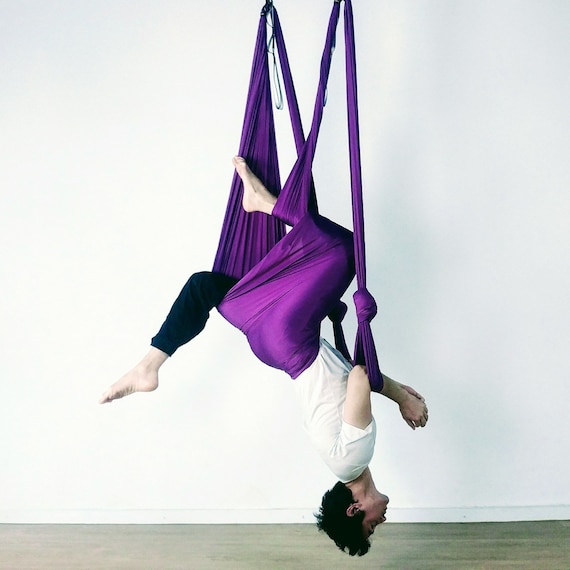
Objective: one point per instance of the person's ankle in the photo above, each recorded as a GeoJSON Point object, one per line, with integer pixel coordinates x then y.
{"type": "Point", "coordinates": [153, 360]}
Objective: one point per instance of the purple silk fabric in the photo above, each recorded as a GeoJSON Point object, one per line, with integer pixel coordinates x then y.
{"type": "Point", "coordinates": [246, 238]}
{"type": "Point", "coordinates": [365, 349]}
{"type": "Point", "coordinates": [282, 296]}
{"type": "Point", "coordinates": [282, 301]}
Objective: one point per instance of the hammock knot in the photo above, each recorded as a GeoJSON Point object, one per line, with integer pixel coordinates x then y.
{"type": "Point", "coordinates": [267, 8]}
{"type": "Point", "coordinates": [366, 308]}
{"type": "Point", "coordinates": [338, 312]}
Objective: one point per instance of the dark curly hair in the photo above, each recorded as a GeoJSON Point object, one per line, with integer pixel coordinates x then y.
{"type": "Point", "coordinates": [344, 530]}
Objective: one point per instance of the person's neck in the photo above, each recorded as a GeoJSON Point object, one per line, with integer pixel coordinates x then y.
{"type": "Point", "coordinates": [363, 486]}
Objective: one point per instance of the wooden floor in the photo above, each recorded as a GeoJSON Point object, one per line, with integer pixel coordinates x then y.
{"type": "Point", "coordinates": [533, 545]}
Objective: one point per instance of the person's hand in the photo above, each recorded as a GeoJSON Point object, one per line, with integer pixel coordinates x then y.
{"type": "Point", "coordinates": [413, 408]}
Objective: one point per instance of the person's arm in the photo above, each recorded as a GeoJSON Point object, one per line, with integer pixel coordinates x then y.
{"type": "Point", "coordinates": [357, 408]}
{"type": "Point", "coordinates": [412, 404]}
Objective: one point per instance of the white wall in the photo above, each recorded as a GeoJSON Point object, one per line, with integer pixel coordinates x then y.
{"type": "Point", "coordinates": [117, 124]}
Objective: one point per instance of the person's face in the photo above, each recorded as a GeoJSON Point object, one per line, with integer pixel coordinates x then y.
{"type": "Point", "coordinates": [375, 514]}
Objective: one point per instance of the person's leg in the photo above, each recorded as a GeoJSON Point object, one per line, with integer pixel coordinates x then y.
{"type": "Point", "coordinates": [189, 313]}
{"type": "Point", "coordinates": [186, 319]}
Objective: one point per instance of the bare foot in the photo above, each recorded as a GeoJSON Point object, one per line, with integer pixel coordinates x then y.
{"type": "Point", "coordinates": [142, 378]}
{"type": "Point", "coordinates": [256, 197]}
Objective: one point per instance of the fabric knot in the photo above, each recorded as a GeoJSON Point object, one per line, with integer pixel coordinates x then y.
{"type": "Point", "coordinates": [338, 313]}
{"type": "Point", "coordinates": [366, 308]}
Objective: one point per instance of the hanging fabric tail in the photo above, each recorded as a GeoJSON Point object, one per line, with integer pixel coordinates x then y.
{"type": "Point", "coordinates": [246, 238]}
{"type": "Point", "coordinates": [365, 350]}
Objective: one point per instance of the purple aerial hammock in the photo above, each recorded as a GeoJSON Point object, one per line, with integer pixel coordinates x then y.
{"type": "Point", "coordinates": [275, 268]}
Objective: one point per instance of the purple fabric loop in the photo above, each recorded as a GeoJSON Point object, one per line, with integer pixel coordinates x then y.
{"type": "Point", "coordinates": [365, 303]}
{"type": "Point", "coordinates": [247, 238]}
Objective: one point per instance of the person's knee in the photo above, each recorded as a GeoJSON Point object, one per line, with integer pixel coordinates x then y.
{"type": "Point", "coordinates": [211, 287]}
{"type": "Point", "coordinates": [200, 279]}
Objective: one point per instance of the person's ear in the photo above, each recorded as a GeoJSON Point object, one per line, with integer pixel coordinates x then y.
{"type": "Point", "coordinates": [353, 509]}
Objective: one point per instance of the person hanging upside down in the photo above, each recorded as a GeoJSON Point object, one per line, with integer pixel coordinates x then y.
{"type": "Point", "coordinates": [280, 305]}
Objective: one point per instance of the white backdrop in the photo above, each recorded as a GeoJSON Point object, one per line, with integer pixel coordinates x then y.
{"type": "Point", "coordinates": [118, 121]}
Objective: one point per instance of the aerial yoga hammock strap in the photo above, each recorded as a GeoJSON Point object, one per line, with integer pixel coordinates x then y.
{"type": "Point", "coordinates": [247, 238]}
{"type": "Point", "coordinates": [366, 309]}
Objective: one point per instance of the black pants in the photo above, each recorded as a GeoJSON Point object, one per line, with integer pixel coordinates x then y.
{"type": "Point", "coordinates": [190, 311]}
